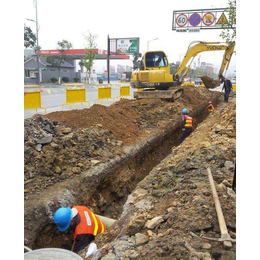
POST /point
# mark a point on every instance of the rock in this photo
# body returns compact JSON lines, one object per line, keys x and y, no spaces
{"x":110,"y":256}
{"x":66,"y":130}
{"x":141,"y":239}
{"x":45,"y":140}
{"x":229,"y":165}
{"x":151,"y":224}
{"x":94,"y":162}
{"x":38,"y":147}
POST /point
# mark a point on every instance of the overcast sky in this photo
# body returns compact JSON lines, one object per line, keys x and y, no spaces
{"x":66,"y":19}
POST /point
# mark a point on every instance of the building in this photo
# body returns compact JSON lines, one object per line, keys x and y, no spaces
{"x":47,"y":71}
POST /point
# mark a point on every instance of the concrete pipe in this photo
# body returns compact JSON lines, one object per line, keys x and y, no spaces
{"x":107,"y":221}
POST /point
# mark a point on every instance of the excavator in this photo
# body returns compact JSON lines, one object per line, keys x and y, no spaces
{"x":154,"y":75}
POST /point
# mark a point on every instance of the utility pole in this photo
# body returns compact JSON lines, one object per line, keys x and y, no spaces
{"x":37,"y":47}
{"x":108,"y":59}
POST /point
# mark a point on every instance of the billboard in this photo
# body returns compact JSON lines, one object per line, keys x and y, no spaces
{"x":127,"y":45}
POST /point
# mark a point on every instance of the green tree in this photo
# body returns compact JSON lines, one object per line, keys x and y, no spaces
{"x":29,"y":38}
{"x":137,"y":61}
{"x":90,"y":54}
{"x":57,"y":60}
{"x":229,"y":27}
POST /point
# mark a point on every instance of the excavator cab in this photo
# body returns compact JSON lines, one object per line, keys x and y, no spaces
{"x":155,"y":59}
{"x":154,"y":72}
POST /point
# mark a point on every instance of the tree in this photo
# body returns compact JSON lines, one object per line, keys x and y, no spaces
{"x":229,"y":27}
{"x":29,"y":38}
{"x":57,"y":60}
{"x":90,"y":54}
{"x":137,"y":61}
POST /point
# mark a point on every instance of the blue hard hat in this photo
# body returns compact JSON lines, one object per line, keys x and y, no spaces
{"x":185,"y":111}
{"x":62,"y":218}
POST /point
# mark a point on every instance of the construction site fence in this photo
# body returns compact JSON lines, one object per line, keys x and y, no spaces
{"x":105,"y":91}
{"x":75,"y":93}
{"x":32,"y":97}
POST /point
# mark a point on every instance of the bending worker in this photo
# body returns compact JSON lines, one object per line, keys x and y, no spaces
{"x":187,"y":124}
{"x":85,"y":224}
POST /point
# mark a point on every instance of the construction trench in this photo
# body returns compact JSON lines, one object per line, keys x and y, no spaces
{"x":104,"y":188}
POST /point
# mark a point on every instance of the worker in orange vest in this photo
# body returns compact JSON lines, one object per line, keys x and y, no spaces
{"x":85,"y":224}
{"x":210,"y":107}
{"x":187,"y":124}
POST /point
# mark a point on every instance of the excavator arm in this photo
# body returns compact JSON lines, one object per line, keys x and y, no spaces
{"x":193,"y":50}
{"x":227,"y":58}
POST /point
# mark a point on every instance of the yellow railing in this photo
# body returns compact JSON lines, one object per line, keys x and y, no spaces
{"x":32,"y":97}
{"x":75,"y":93}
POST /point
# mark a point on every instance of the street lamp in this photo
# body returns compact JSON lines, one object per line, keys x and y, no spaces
{"x":37,"y":43}
{"x":150,"y":41}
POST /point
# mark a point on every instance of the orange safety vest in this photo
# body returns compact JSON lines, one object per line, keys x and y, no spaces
{"x":188,"y":121}
{"x":89,"y":222}
{"x":210,"y":108}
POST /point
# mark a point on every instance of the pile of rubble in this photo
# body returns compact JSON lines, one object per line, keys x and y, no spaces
{"x":53,"y":152}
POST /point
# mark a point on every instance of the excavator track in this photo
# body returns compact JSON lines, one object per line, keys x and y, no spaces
{"x":170,"y":94}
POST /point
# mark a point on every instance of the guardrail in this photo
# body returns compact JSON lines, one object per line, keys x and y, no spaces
{"x":75,"y":93}
{"x":32,"y":97}
{"x":104,"y":92}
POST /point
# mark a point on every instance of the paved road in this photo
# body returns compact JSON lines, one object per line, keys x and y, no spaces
{"x":54,"y":96}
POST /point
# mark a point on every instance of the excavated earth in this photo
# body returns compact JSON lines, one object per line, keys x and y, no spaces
{"x":125,"y":162}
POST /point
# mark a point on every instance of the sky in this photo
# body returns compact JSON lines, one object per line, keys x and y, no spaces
{"x":71,"y":20}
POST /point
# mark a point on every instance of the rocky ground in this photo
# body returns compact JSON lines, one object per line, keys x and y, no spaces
{"x":172,"y":201}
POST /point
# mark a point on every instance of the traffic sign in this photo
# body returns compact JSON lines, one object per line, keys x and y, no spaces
{"x":208,"y":19}
{"x":181,"y":20}
{"x":195,"y":19}
{"x":199,"y":19}
{"x":222,"y":19}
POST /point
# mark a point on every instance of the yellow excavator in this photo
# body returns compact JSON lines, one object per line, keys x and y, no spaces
{"x":154,"y":73}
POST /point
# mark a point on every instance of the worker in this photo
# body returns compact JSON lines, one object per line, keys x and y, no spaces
{"x":84,"y":223}
{"x":227,"y":86}
{"x":210,"y":107}
{"x":187,"y":124}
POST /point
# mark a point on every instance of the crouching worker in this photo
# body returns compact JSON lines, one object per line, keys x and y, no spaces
{"x":85,"y":224}
{"x":210,"y":107}
{"x":187,"y":124}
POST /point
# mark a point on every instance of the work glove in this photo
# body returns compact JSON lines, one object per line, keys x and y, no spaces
{"x":183,"y":129}
{"x":92,"y":249}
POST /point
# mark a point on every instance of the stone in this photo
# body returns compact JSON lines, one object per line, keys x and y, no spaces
{"x":141,"y":239}
{"x":38,"y":147}
{"x":151,"y":224}
{"x":45,"y":140}
{"x":66,"y":130}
